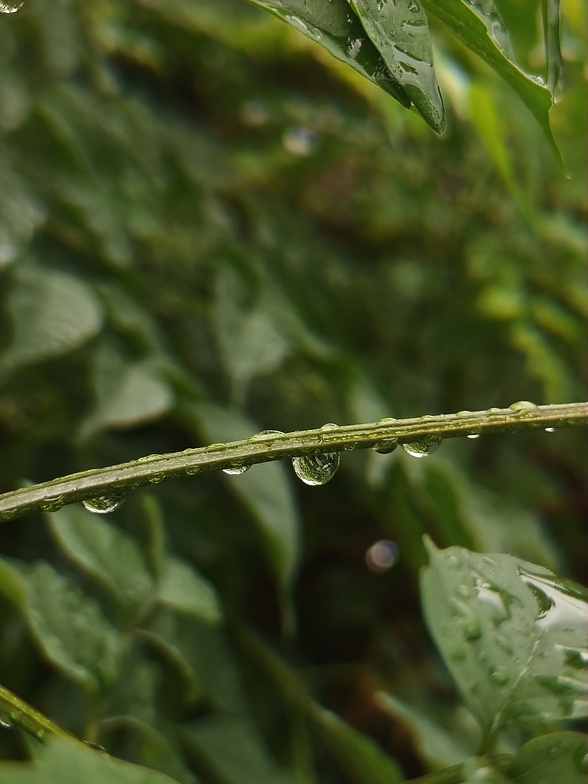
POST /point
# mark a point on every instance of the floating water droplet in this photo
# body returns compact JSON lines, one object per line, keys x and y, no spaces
{"x":316,"y":469}
{"x":236,"y":470}
{"x":473,"y":435}
{"x":550,"y":430}
{"x":422,"y":446}
{"x":10,"y":6}
{"x":263,"y":434}
{"x":381,"y":556}
{"x":523,"y":406}
{"x":104,"y":504}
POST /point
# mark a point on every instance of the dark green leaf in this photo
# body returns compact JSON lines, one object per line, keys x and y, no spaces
{"x":52,"y":313}
{"x":340,"y":32}
{"x":512,"y":633}
{"x":105,"y":552}
{"x":400,"y":33}
{"x":68,"y":625}
{"x":182,"y":588}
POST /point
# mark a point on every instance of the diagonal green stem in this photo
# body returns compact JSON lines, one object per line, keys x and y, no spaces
{"x":17,"y":712}
{"x":54,"y":494}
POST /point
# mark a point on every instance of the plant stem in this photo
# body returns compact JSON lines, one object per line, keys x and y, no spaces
{"x":14,"y":711}
{"x":52,"y":495}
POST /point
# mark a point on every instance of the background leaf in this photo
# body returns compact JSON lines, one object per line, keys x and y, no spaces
{"x":559,"y":756}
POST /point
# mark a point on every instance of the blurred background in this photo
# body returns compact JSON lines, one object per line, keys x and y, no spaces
{"x":210,"y":227}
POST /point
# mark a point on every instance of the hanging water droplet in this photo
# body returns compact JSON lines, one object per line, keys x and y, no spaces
{"x":523,"y":406}
{"x":104,"y":504}
{"x":422,"y":446}
{"x":10,"y":6}
{"x":381,"y":556}
{"x":236,"y":470}
{"x":316,"y":469}
{"x":550,"y":430}
{"x":4,"y":723}
{"x":473,"y":435}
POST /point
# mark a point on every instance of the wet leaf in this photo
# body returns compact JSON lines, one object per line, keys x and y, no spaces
{"x":337,"y":29}
{"x":60,"y":761}
{"x":460,"y":17}
{"x":105,"y":552}
{"x":512,"y":634}
{"x":400,"y":33}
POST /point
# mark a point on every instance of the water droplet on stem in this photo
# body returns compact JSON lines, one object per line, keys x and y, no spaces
{"x":104,"y":504}
{"x":316,"y":469}
{"x":10,"y":6}
{"x":422,"y":447}
{"x":236,"y":470}
{"x":523,"y":406}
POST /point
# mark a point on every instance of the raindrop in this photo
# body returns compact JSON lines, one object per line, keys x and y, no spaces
{"x":422,"y":446}
{"x":550,"y":430}
{"x":472,"y":630}
{"x":386,"y":446}
{"x":10,"y":6}
{"x":104,"y":504}
{"x":381,"y":556}
{"x":236,"y":470}
{"x":4,"y":723}
{"x":499,"y":676}
{"x":329,"y":426}
{"x":316,"y":469}
{"x":523,"y":407}
{"x":473,"y":435}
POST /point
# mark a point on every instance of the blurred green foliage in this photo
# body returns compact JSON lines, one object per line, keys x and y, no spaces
{"x":208,"y":226}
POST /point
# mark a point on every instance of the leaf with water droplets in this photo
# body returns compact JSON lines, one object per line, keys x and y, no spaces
{"x":400,"y":32}
{"x":316,"y":469}
{"x":341,"y":33}
{"x":512,"y":633}
{"x":560,"y":757}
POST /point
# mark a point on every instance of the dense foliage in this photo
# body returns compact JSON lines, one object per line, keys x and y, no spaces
{"x":209,"y":226}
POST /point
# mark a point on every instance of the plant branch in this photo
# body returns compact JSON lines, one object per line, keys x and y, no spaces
{"x":262,"y":448}
{"x":14,"y":711}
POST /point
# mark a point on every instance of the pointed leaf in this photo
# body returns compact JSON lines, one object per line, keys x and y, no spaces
{"x":333,"y":26}
{"x":400,"y":33}
{"x":512,"y":633}
{"x":183,"y":589}
{"x":557,"y":757}
{"x":460,"y":17}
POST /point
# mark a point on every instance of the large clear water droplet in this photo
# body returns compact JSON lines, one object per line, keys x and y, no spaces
{"x":236,"y":470}
{"x":316,"y":469}
{"x":10,"y":6}
{"x":523,"y":406}
{"x":104,"y":504}
{"x":422,"y":446}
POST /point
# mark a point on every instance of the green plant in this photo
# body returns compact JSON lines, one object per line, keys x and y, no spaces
{"x":165,"y":195}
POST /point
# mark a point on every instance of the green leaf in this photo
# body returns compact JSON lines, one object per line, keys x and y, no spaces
{"x":340,"y":32}
{"x":361,"y":759}
{"x":68,"y":625}
{"x":127,"y":393}
{"x":512,"y":633}
{"x":441,"y":744}
{"x":400,"y":33}
{"x":461,"y":19}
{"x":232,"y":748}
{"x":60,"y":761}
{"x":557,"y":757}
{"x":264,"y":490}
{"x":105,"y":552}
{"x":183,"y":589}
{"x":52,"y":313}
